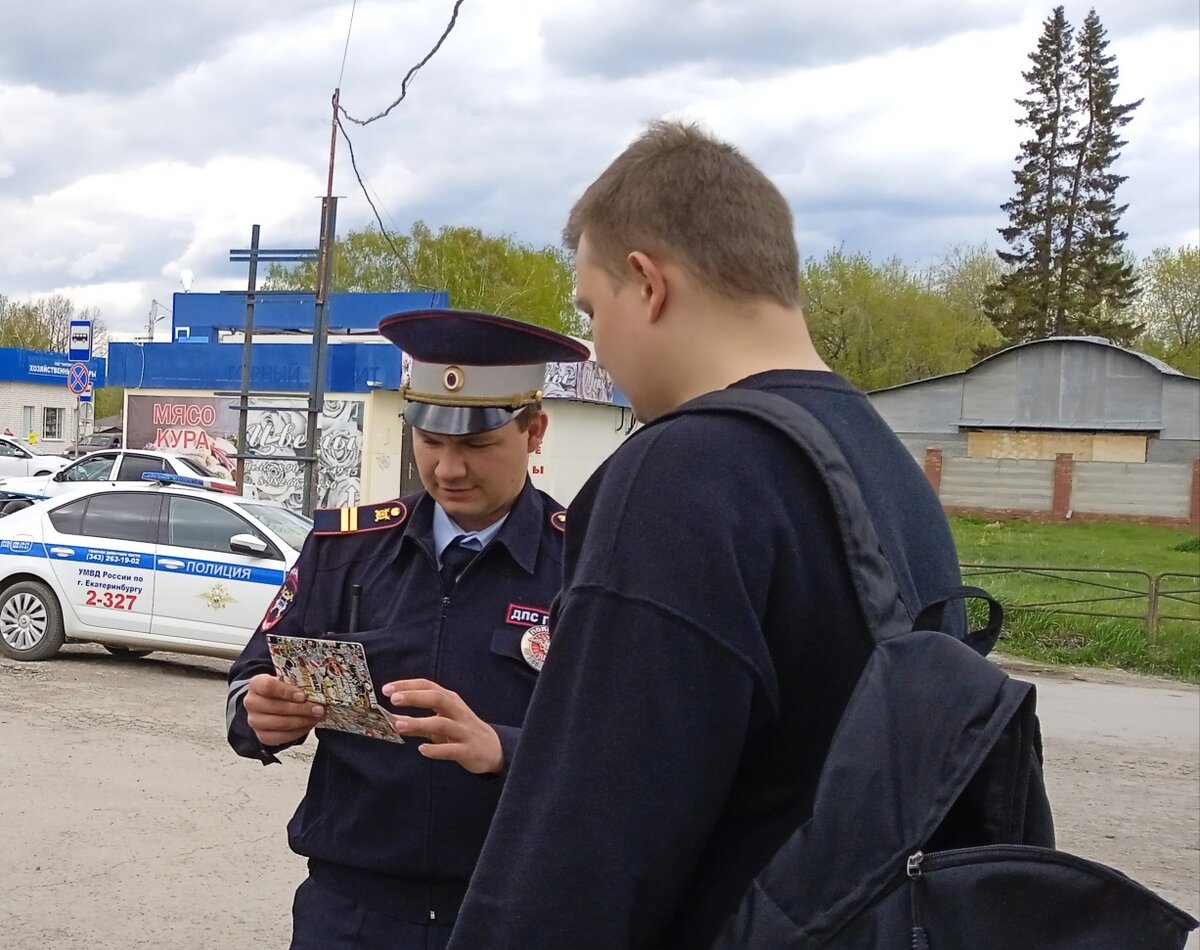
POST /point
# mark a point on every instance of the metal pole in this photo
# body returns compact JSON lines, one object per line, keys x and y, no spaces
{"x":320,"y":349}
{"x":247,"y":338}
{"x":316,"y":399}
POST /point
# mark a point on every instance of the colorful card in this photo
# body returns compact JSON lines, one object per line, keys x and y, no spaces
{"x":333,"y":673}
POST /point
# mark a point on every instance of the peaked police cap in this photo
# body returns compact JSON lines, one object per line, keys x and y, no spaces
{"x":473,"y":372}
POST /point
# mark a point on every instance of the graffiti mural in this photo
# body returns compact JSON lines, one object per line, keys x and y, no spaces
{"x":205,"y":428}
{"x":585,"y":381}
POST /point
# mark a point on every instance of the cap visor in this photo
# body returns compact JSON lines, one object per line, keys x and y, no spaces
{"x":457,"y":420}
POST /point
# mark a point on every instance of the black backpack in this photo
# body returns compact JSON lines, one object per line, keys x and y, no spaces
{"x":931,"y":828}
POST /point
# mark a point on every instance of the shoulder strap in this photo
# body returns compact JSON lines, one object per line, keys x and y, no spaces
{"x":982,"y":640}
{"x":356,"y":518}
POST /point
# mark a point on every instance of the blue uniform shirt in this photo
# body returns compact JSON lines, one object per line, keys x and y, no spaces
{"x":446,"y":529}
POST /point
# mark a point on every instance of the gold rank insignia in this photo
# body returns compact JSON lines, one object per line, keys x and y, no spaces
{"x":385,"y":514}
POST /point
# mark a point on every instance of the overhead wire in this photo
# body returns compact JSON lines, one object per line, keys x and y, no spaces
{"x":410,"y":74}
{"x":413,"y":282}
{"x":346,"y":48}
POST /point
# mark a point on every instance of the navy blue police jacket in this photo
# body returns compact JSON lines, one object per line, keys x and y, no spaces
{"x":379,"y":822}
{"x":705,"y":643}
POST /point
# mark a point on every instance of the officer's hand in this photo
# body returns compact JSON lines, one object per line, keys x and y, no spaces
{"x":454,"y":732}
{"x":278,"y":712}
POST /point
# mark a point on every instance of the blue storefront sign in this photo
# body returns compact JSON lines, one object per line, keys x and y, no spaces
{"x":31,"y":366}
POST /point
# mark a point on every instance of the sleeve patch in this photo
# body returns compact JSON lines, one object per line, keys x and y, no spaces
{"x":283,"y":600}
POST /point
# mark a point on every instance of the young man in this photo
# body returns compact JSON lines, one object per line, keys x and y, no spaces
{"x":455,"y":583}
{"x":707,"y":638}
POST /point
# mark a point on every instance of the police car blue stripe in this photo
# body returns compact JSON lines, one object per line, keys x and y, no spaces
{"x":220,"y":569}
{"x":147,"y":562}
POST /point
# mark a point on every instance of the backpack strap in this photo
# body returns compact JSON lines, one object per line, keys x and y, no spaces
{"x":982,"y":640}
{"x":875,"y":585}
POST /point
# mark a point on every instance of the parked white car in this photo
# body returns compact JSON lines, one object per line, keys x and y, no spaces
{"x":149,"y":567}
{"x":117,"y":467}
{"x":22,"y":459}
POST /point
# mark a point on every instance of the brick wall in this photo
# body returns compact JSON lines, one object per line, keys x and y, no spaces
{"x":1067,"y":488}
{"x":15,"y":396}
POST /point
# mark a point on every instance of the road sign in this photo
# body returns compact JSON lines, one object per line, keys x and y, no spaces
{"x":79,"y":378}
{"x":86,"y":395}
{"x":79,"y":348}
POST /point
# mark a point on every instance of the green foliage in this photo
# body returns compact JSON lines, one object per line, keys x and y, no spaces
{"x":109,"y":401}
{"x":45,"y":324}
{"x":1190,"y":546}
{"x":1099,"y":642}
{"x":881,"y":325}
{"x":1126,"y":545}
{"x":1068,"y":271}
{"x":1126,"y":551}
{"x":1169,"y":307}
{"x":494,"y":274}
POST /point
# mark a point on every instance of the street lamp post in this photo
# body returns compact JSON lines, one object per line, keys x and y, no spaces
{"x":154,"y":317}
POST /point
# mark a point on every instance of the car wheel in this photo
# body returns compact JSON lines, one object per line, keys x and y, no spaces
{"x":127,"y":654}
{"x":31,"y":626}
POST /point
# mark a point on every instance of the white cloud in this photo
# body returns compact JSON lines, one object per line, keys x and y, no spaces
{"x":96,"y":261}
{"x":890,"y":130}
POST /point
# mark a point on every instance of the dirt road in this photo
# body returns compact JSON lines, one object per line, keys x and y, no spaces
{"x":126,"y":821}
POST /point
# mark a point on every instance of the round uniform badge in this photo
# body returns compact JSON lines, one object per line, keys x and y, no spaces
{"x":453,"y":378}
{"x":534,"y":643}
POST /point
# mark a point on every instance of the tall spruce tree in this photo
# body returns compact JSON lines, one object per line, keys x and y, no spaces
{"x":1108,"y":278}
{"x":1022,"y":303}
{"x":1068,"y":274}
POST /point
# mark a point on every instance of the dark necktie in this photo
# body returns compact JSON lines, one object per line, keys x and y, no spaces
{"x":454,"y":560}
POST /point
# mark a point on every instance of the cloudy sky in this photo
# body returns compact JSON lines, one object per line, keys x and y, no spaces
{"x":139,"y":139}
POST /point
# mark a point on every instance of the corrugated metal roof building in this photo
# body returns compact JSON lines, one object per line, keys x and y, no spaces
{"x":1061,"y":427}
{"x":1083,"y":395}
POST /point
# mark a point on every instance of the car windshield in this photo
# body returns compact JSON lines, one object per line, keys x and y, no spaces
{"x":293,"y":528}
{"x":89,"y":469}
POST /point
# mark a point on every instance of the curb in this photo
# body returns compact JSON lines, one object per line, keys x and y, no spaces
{"x":1087,"y":674}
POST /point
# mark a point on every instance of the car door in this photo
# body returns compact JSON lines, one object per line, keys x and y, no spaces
{"x":14,"y":460}
{"x":101,"y":549}
{"x":133,"y":465}
{"x":97,"y":467}
{"x":203,"y":589}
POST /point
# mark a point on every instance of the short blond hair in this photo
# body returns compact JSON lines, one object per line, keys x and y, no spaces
{"x":678,"y":192}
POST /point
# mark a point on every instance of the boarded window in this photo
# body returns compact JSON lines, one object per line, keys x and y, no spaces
{"x":1044,"y":446}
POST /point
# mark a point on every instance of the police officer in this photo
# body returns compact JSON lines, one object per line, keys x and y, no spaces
{"x":450,"y":589}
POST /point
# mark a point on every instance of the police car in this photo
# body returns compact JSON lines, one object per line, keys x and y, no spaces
{"x":164,"y":565}
{"x":22,"y":459}
{"x":115,"y":466}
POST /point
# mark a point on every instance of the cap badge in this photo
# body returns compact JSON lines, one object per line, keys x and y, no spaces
{"x":535,"y":642}
{"x":453,"y":378}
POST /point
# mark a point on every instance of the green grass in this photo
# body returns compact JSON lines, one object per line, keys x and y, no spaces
{"x":1061,"y":632}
